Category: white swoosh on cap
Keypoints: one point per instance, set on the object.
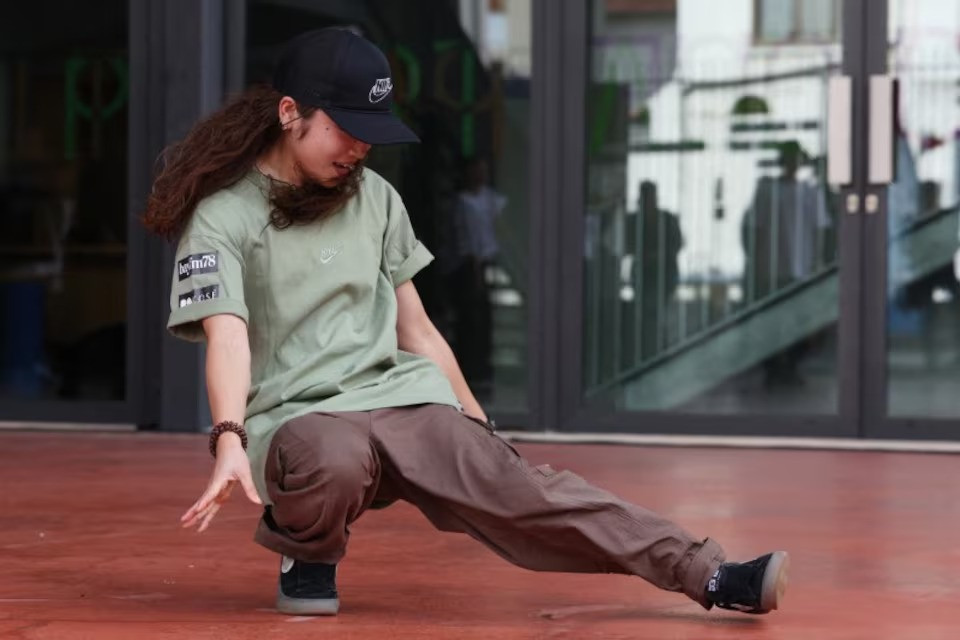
(377, 96)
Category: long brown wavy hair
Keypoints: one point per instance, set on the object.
(220, 150)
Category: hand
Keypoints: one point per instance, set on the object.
(232, 466)
(479, 415)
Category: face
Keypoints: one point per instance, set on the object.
(322, 150)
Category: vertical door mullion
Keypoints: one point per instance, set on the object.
(851, 241)
(542, 355)
(572, 183)
(192, 62)
(874, 279)
(145, 124)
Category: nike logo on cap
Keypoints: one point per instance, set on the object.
(380, 89)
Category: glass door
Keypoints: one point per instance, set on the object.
(64, 135)
(914, 264)
(717, 255)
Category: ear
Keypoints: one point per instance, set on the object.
(287, 111)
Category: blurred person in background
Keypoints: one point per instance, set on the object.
(473, 250)
(783, 236)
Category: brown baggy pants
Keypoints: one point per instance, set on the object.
(325, 469)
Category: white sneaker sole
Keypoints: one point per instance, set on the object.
(307, 606)
(774, 581)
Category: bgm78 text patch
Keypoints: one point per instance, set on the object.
(197, 263)
(199, 295)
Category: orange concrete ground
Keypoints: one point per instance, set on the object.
(91, 549)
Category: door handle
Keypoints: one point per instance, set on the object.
(882, 123)
(839, 140)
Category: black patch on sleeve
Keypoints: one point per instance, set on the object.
(199, 295)
(198, 263)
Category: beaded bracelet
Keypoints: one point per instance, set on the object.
(222, 427)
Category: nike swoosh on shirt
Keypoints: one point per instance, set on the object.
(328, 254)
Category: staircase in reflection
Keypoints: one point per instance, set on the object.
(735, 342)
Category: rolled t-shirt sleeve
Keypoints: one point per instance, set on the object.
(403, 254)
(207, 281)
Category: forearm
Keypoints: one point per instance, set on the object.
(228, 378)
(430, 344)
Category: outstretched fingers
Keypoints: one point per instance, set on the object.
(207, 506)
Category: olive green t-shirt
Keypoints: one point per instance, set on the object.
(319, 302)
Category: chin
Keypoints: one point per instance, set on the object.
(325, 180)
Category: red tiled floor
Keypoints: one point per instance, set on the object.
(91, 548)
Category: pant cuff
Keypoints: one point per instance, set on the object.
(703, 563)
(279, 543)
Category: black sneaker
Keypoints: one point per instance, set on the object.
(307, 588)
(752, 587)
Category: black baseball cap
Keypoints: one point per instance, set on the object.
(348, 77)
